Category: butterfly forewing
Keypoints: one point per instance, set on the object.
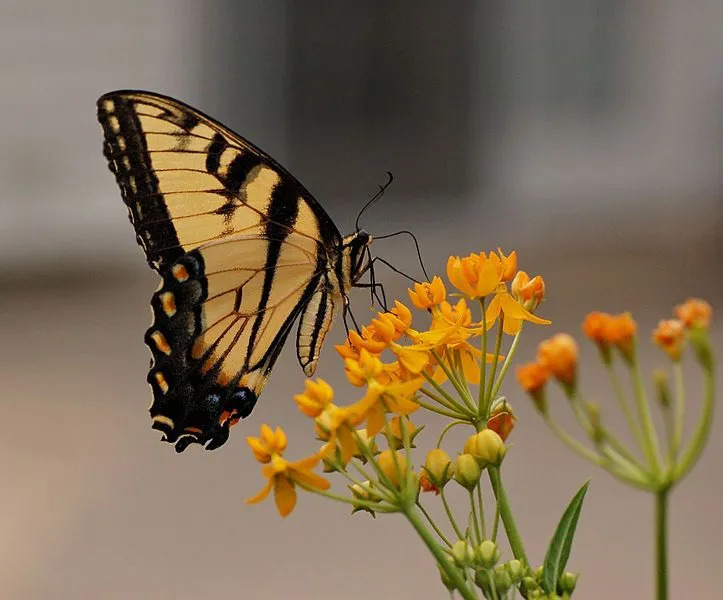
(243, 250)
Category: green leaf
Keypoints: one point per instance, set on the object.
(559, 549)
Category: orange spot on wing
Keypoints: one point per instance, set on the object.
(179, 272)
(168, 302)
(161, 342)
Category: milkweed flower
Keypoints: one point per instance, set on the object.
(283, 476)
(502, 418)
(394, 466)
(558, 355)
(608, 330)
(669, 335)
(316, 397)
(533, 377)
(694, 312)
(428, 294)
(529, 292)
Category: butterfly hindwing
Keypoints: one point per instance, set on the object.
(242, 248)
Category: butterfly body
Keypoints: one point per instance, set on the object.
(244, 252)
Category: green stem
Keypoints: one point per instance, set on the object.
(483, 366)
(700, 436)
(435, 409)
(450, 516)
(661, 545)
(625, 406)
(475, 520)
(651, 447)
(679, 415)
(447, 427)
(463, 391)
(434, 525)
(498, 345)
(481, 511)
(439, 554)
(508, 520)
(506, 364)
(444, 399)
(463, 408)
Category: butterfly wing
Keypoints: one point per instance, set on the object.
(242, 248)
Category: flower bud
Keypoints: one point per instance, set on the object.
(395, 435)
(393, 469)
(446, 581)
(467, 471)
(487, 447)
(669, 336)
(533, 377)
(559, 356)
(463, 553)
(364, 444)
(567, 582)
(438, 467)
(503, 581)
(488, 554)
(662, 389)
(529, 586)
(695, 313)
(364, 491)
(502, 418)
(515, 569)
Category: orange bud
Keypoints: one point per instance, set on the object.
(669, 335)
(532, 378)
(502, 419)
(559, 356)
(694, 312)
(388, 466)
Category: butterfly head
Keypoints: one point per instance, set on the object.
(354, 257)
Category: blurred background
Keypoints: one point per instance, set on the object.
(586, 134)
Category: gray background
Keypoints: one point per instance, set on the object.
(585, 134)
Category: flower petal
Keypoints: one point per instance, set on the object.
(284, 494)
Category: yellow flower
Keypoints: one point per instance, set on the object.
(336, 426)
(317, 396)
(559, 356)
(670, 336)
(513, 311)
(475, 275)
(363, 369)
(396, 397)
(426, 295)
(283, 477)
(268, 443)
(694, 312)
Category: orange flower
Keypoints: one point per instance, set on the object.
(426, 295)
(669, 335)
(529, 292)
(283, 477)
(268, 443)
(475, 275)
(532, 377)
(396, 397)
(514, 312)
(559, 356)
(611, 330)
(316, 397)
(361, 370)
(335, 425)
(694, 312)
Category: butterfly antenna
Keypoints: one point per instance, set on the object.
(416, 245)
(379, 194)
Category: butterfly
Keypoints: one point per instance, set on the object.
(243, 249)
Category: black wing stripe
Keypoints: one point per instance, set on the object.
(283, 210)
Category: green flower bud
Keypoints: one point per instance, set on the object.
(662, 389)
(488, 554)
(515, 569)
(439, 467)
(567, 582)
(538, 573)
(366, 492)
(446, 581)
(369, 444)
(503, 581)
(529, 586)
(487, 447)
(463, 553)
(466, 471)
